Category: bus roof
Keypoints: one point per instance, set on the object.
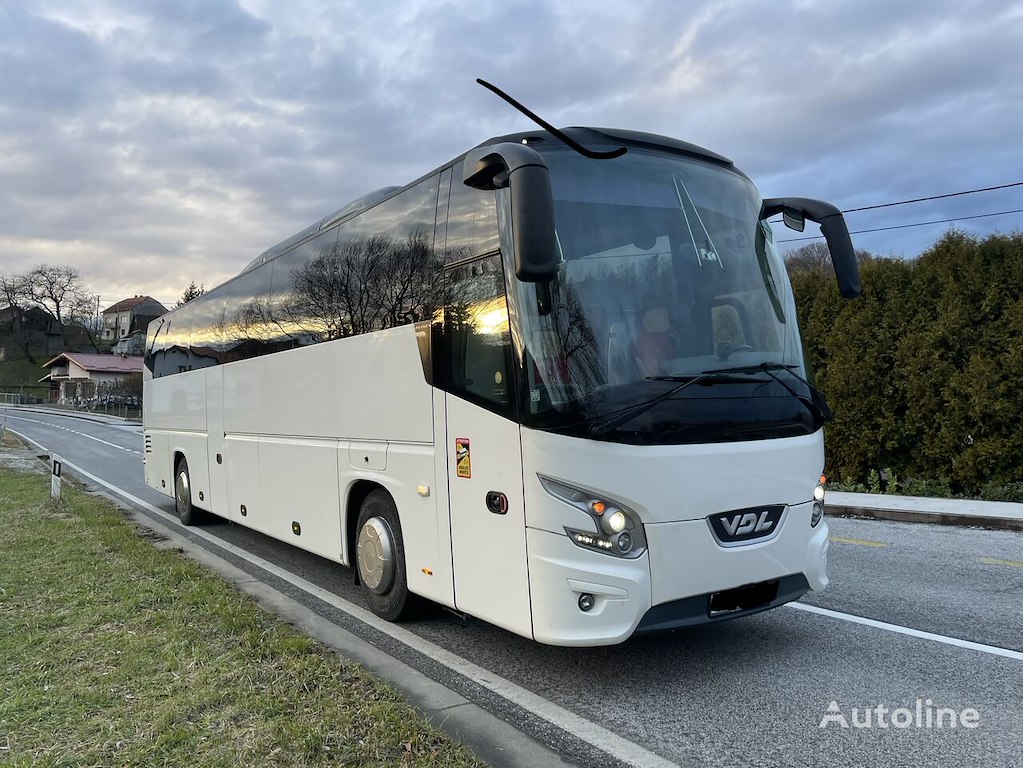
(587, 136)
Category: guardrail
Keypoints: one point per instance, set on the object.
(918, 509)
(95, 415)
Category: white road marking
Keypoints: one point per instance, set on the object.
(76, 432)
(994, 650)
(601, 738)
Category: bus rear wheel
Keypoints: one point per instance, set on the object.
(380, 559)
(187, 514)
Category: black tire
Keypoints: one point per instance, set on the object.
(386, 586)
(187, 513)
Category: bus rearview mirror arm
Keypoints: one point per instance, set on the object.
(795, 209)
(523, 171)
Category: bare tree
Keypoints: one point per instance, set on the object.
(57, 289)
(813, 257)
(13, 291)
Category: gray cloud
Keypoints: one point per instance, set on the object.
(153, 145)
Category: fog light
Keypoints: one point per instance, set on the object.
(818, 514)
(624, 542)
(585, 602)
(614, 522)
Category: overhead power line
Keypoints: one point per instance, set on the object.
(933, 197)
(907, 226)
(920, 200)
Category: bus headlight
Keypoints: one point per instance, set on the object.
(614, 522)
(615, 529)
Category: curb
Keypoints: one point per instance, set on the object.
(959, 512)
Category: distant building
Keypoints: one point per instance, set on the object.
(77, 376)
(130, 316)
(27, 330)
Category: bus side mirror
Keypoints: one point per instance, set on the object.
(524, 172)
(795, 210)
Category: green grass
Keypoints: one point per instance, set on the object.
(116, 652)
(18, 372)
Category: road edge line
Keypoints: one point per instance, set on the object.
(993, 650)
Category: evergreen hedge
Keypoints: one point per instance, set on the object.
(925, 370)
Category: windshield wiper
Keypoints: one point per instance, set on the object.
(593, 154)
(603, 427)
(816, 397)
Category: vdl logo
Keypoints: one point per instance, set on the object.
(746, 525)
(738, 525)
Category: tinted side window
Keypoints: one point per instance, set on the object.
(248, 321)
(471, 221)
(383, 271)
(167, 347)
(165, 355)
(476, 343)
(209, 328)
(305, 295)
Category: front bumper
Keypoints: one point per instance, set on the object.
(699, 609)
(671, 584)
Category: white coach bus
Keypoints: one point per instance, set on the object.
(565, 395)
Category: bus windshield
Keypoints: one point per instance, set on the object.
(667, 274)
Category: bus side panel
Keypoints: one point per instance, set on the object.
(158, 469)
(368, 387)
(177, 402)
(241, 460)
(299, 496)
(428, 562)
(215, 440)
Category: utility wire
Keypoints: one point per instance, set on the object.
(907, 226)
(933, 197)
(921, 200)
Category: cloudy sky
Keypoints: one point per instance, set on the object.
(153, 143)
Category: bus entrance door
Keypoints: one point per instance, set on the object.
(488, 528)
(488, 532)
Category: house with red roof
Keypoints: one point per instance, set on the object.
(130, 316)
(77, 376)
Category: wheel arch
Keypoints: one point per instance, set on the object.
(357, 493)
(176, 456)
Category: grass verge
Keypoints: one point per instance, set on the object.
(116, 652)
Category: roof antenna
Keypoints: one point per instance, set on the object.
(590, 153)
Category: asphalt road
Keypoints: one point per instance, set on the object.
(752, 692)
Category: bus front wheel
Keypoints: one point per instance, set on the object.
(380, 559)
(188, 514)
